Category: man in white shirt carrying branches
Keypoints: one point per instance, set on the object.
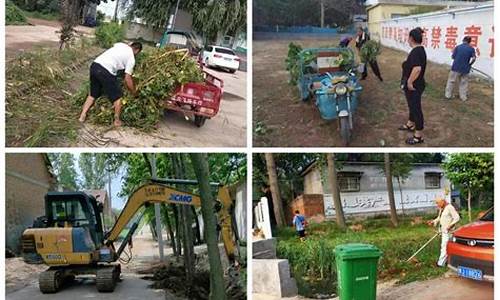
(447, 218)
(103, 77)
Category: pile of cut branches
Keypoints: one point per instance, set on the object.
(369, 51)
(292, 62)
(158, 72)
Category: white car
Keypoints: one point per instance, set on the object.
(215, 56)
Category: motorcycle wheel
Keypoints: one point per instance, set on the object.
(345, 131)
(199, 120)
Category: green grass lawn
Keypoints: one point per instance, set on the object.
(313, 261)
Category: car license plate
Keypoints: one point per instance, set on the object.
(228, 58)
(470, 273)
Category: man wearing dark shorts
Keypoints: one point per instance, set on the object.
(103, 76)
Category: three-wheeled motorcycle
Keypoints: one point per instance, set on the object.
(328, 76)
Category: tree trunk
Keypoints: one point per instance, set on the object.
(152, 227)
(170, 230)
(275, 190)
(401, 195)
(390, 189)
(115, 17)
(198, 235)
(188, 244)
(178, 230)
(469, 207)
(200, 166)
(179, 167)
(70, 17)
(334, 187)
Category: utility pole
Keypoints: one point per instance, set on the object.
(157, 209)
(322, 4)
(175, 14)
(109, 213)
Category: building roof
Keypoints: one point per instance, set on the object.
(99, 195)
(373, 3)
(312, 165)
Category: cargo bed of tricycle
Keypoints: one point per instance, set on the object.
(201, 100)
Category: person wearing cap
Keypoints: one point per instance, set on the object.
(463, 57)
(447, 218)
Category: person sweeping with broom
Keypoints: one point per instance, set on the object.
(447, 218)
(104, 77)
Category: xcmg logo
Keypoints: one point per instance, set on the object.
(181, 198)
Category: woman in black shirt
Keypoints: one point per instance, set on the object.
(413, 85)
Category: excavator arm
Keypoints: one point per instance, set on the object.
(160, 193)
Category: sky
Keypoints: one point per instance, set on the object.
(109, 9)
(116, 185)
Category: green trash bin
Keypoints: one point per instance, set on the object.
(357, 271)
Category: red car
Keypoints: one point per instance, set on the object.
(471, 249)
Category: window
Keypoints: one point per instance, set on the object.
(68, 210)
(224, 50)
(349, 183)
(432, 180)
(209, 48)
(395, 16)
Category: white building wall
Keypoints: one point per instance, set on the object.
(372, 198)
(444, 30)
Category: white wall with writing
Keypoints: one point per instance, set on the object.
(359, 203)
(445, 30)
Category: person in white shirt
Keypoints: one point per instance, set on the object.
(447, 218)
(103, 77)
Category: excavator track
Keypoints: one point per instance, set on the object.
(106, 279)
(50, 281)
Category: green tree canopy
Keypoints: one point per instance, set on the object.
(209, 17)
(472, 172)
(94, 171)
(65, 171)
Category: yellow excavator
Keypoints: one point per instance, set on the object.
(71, 240)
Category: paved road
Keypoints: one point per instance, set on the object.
(440, 289)
(443, 288)
(226, 129)
(131, 288)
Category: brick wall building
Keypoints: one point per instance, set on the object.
(28, 177)
(309, 205)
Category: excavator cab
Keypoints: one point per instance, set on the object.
(75, 209)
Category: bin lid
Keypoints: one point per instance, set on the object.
(353, 251)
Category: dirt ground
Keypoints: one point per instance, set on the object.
(281, 119)
(22, 279)
(444, 288)
(40, 33)
(226, 129)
